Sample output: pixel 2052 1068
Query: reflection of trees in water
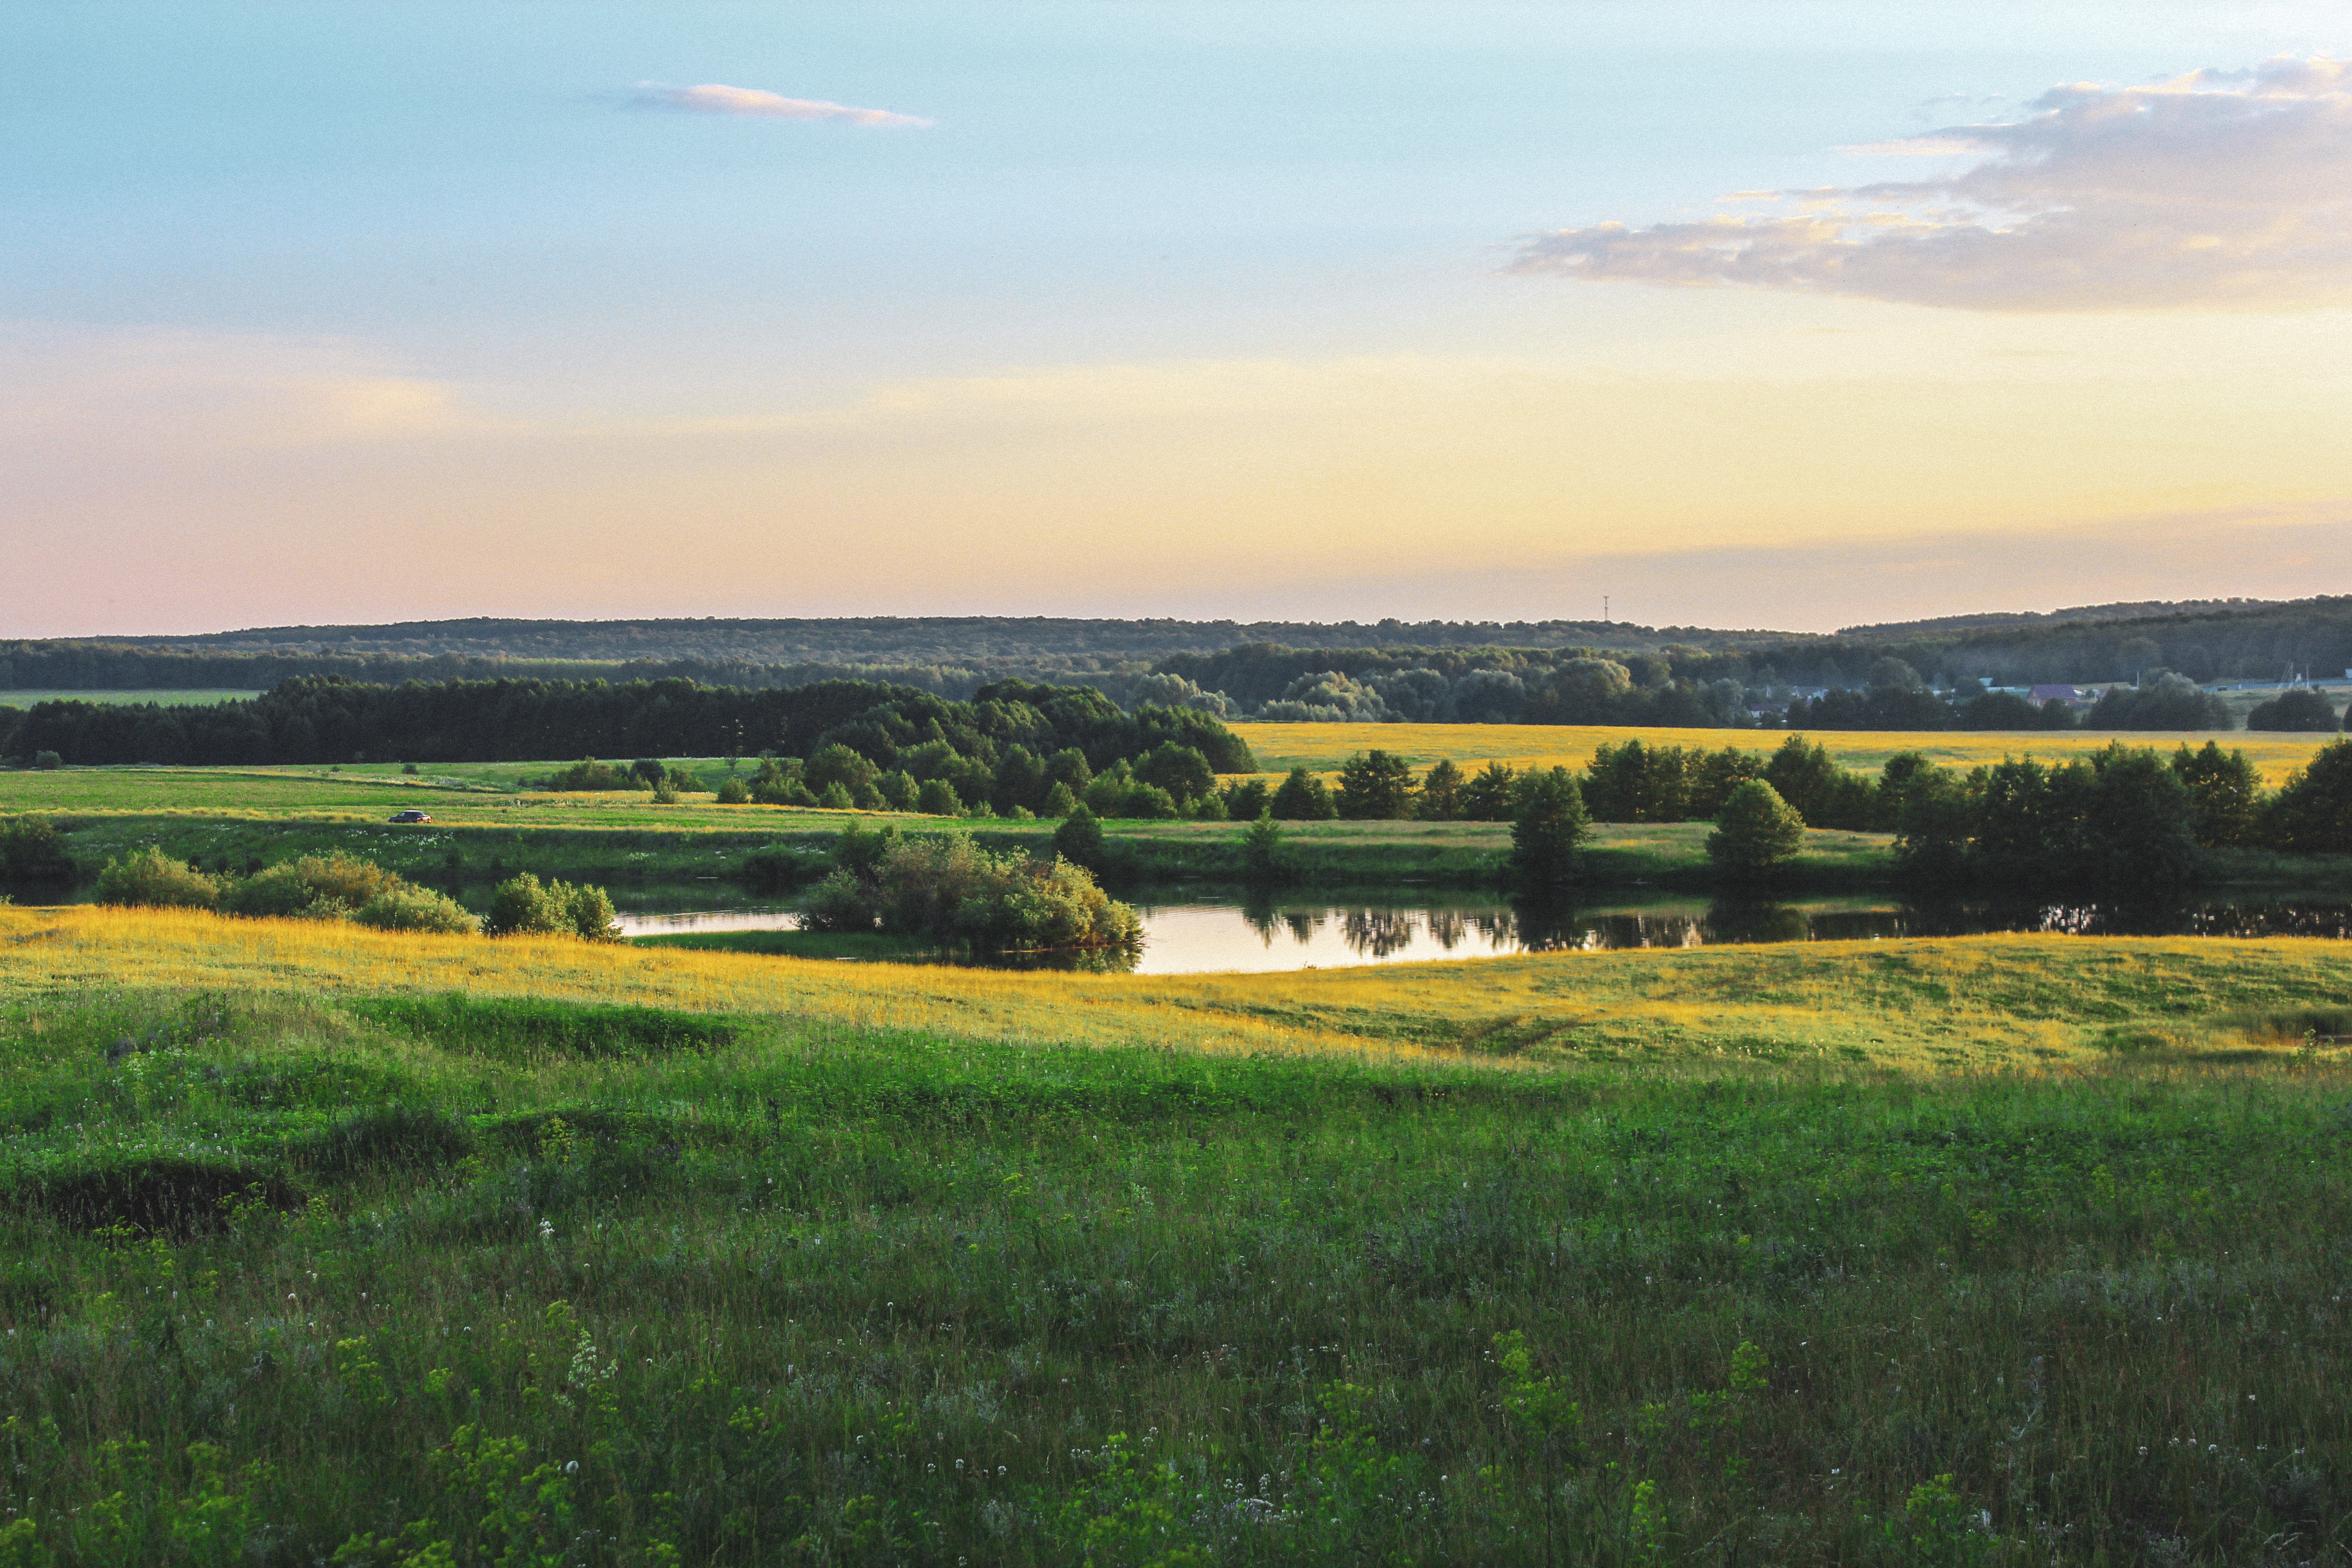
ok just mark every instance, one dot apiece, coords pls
pixel 1378 933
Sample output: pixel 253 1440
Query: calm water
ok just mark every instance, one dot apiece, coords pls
pixel 1194 934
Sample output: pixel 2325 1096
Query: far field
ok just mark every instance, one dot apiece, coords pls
pixel 1322 748
pixel 169 697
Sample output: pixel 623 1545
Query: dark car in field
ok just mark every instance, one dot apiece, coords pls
pixel 408 816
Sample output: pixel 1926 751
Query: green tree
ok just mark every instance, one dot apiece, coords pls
pixel 1548 830
pixel 2313 815
pixel 1182 771
pixel 1261 851
pixel 1079 839
pixel 1757 833
pixel 1440 792
pixel 1302 798
pixel 2139 831
pixel 2227 790
pixel 734 791
pixel 2301 712
pixel 1059 801
pixel 1933 828
pixel 1375 786
pixel 1492 794
pixel 937 798
pixel 1246 800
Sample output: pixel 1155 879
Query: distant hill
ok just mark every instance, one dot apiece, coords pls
pixel 924 639
pixel 2004 620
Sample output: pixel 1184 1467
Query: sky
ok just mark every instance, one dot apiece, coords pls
pixel 1794 316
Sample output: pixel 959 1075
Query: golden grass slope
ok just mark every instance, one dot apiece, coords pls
pixel 1970 1003
pixel 1321 748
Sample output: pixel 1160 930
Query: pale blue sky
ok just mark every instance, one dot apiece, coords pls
pixel 466 200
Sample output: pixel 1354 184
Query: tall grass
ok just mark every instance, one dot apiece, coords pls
pixel 426 1281
pixel 1972 1002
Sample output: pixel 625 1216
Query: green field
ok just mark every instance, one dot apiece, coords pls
pixel 169 697
pixel 483 821
pixel 622 1258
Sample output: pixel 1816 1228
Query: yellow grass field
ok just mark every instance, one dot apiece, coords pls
pixel 1971 1004
pixel 1321 748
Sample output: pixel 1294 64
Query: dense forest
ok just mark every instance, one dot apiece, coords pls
pixel 326 720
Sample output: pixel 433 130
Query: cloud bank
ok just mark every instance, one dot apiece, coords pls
pixel 751 103
pixel 2218 189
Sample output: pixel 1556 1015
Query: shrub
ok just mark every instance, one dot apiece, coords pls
pixel 588 773
pixel 664 793
pixel 311 887
pixel 2300 713
pixel 29 851
pixel 1550 826
pixel 150 879
pixel 416 909
pixel 47 760
pixel 1757 832
pixel 937 798
pixel 523 905
pixel 948 889
pixel 836 798
pixel 779 781
pixel 734 791
pixel 1149 801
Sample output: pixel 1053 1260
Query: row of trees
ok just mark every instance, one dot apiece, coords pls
pixel 338 721
pixel 1170 780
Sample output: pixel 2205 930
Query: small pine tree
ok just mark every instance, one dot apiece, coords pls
pixel 1757 832
pixel 1260 846
pixel 1059 801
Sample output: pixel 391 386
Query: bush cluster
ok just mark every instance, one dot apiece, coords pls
pixel 947 889
pixel 313 886
pixel 523 906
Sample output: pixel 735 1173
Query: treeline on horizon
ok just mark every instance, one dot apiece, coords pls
pixel 1250 665
pixel 331 719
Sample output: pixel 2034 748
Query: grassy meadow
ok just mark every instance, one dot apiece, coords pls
pixel 483 826
pixel 331 1246
pixel 164 696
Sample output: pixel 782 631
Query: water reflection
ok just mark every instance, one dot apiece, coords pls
pixel 1260 932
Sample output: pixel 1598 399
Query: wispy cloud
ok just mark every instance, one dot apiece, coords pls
pixel 2218 189
pixel 751 103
